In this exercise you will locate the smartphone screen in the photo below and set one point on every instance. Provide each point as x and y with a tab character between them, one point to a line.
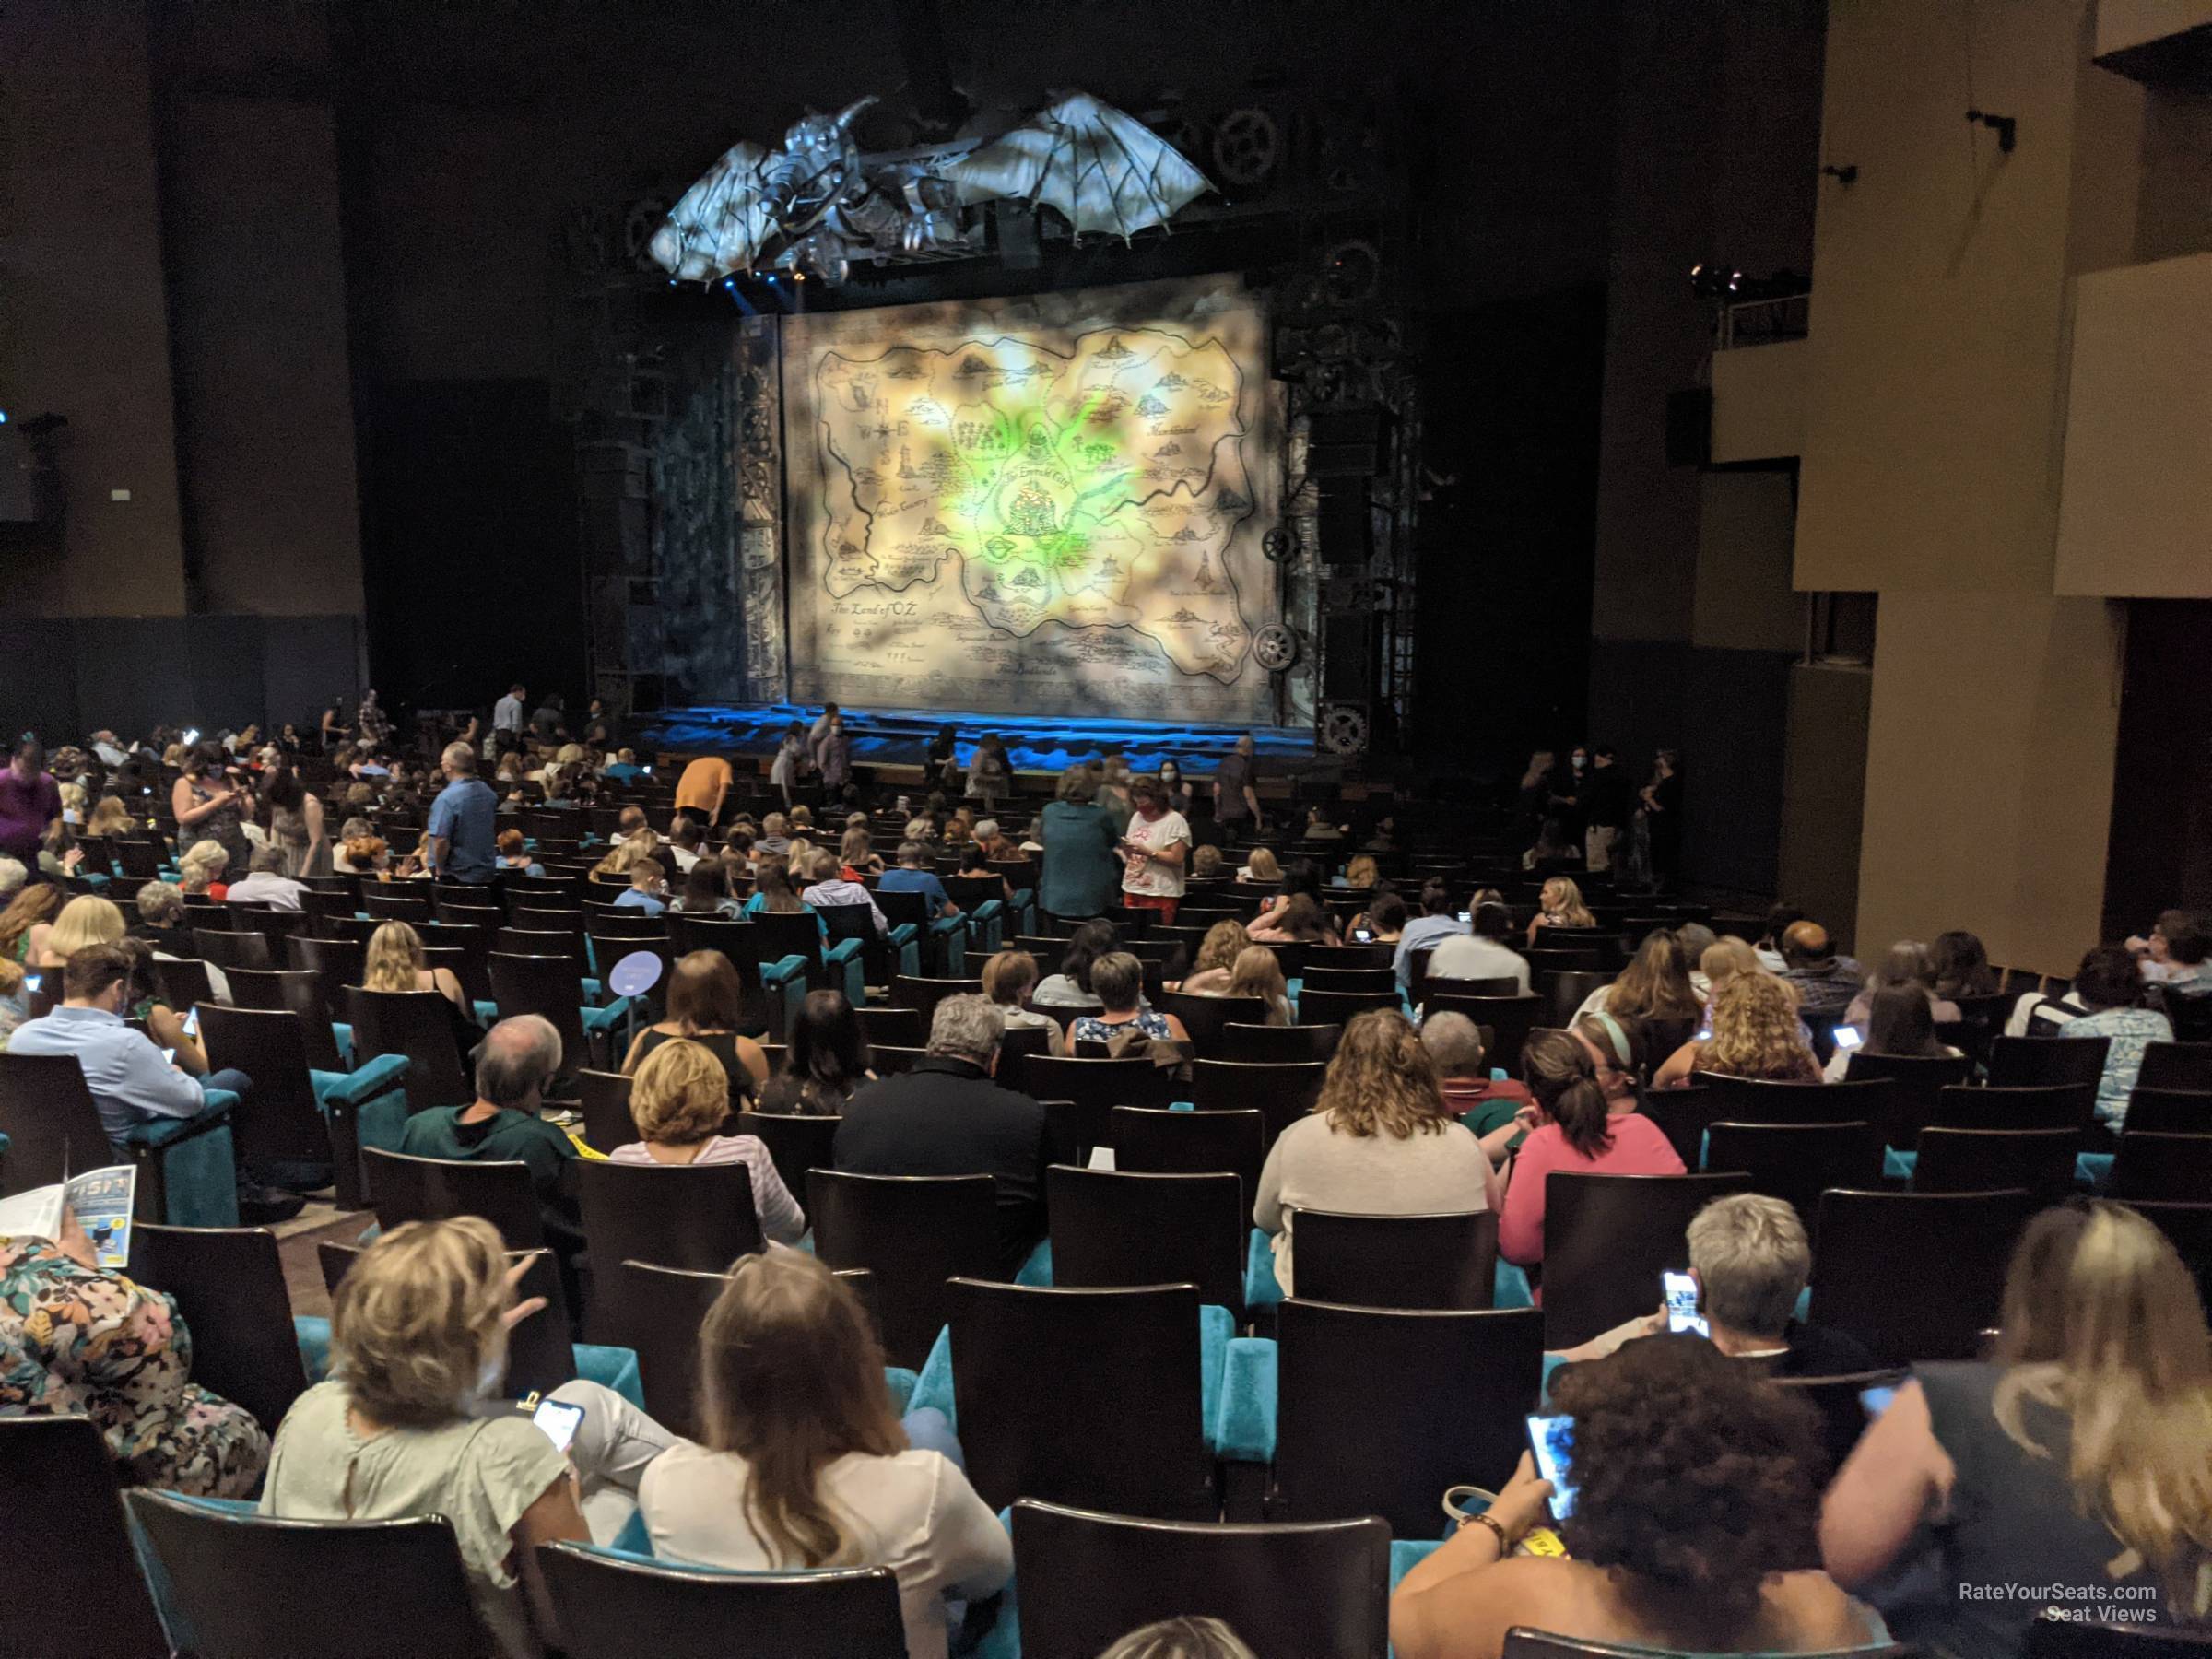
32	982
1704	1036
1363	935
1849	1037
192	1023
170	1055
1876	1401
1682	1304
1552	1439
1466	916
560	1420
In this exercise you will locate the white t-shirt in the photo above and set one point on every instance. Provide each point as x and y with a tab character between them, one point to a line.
912	1513
1141	874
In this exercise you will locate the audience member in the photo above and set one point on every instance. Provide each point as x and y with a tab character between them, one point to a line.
1384	920
704	787
1236	799
1215	964
1602	799
825	1061
914	875
1482	1103
1155	848
2107	986
1260	864
1906	963
1781	918
1186	1638
1380	1140
1900	1021
678	1101
80	1339
1118	981
1071	987
1755	1033
1618	1054
200	867
30	802
1437	923
1653	986
297	824
409	1425
1482	954
1559	904
946	1117
1826	983
1258	973
706	1007
1298	920
706	892
1010	981
1362	874
501	1125
831	887
266	882
2074	1459
803	1462
2174	956
15	999
209	801
1207	863
395	960
1577	1133
1693	1528
991	772
1959	964
86	919
648	889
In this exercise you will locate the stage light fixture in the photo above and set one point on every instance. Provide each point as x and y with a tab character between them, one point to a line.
1711	279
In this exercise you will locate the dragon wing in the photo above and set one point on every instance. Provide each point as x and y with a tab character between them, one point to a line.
1104	171
719	225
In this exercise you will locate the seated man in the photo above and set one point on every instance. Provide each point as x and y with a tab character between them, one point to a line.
1437	923
1826	983
1752	1261
648	889
946	1117
912	874
266	882
685	842
831	887
1454	1044
1482	954
130	1080
625	767
513	1065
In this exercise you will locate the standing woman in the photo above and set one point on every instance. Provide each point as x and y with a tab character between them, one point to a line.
944	760
1171	786
1662	819
991	774
1533	802
296	824
212	807
1081	874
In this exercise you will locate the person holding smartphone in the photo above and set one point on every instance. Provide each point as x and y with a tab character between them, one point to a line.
1693	1539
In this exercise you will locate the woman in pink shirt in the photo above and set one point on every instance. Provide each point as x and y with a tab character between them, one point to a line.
1577	1133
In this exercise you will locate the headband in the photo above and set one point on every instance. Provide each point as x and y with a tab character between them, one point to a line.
1619	1038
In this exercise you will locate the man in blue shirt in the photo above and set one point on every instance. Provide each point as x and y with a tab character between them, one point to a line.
648	889
463	840
1437	920
913	876
625	768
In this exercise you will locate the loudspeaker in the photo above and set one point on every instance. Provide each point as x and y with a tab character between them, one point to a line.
1690	426
1346	668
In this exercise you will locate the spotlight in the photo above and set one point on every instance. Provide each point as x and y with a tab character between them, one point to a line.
1709	280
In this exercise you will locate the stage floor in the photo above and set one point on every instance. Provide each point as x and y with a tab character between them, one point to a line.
902	737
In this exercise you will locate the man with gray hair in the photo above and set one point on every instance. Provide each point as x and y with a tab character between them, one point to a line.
266	882
502	1125
464	837
949	1117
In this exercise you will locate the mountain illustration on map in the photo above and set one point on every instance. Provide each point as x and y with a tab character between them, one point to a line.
1012	480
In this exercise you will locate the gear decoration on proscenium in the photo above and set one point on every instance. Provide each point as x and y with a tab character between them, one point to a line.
1279	544
1344	729
1275	648
1247	145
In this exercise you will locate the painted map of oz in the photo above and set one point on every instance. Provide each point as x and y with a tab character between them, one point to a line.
1001	504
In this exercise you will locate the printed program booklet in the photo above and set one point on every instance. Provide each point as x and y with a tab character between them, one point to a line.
103	1200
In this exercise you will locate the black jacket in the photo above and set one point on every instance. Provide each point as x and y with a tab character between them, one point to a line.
1603	797
945	1117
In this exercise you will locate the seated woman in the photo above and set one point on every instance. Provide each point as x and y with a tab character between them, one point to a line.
706	1006
1009	980
1555	849
773	893
1215	963
86	919
1577	1133
1960	962
1755	1033
1207	863
164	1024
1259	973
706	892
1382	1140
77	1337
1655	986
2074	1458
1692	1529
1907	963
200	869
976	863
1385	919
394	961
27	920
679	1102
1298	920
1071	987
410	1424
514	854
1559	904
361	855
827	1060
1118	979
1260	865
803	1462
1360	875
1898	1024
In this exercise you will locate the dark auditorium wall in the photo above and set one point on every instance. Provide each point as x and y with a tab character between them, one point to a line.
2162	827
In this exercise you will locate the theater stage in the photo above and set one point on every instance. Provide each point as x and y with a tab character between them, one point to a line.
902	737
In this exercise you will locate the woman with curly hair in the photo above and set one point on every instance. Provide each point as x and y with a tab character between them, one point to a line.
1217	960
1756	1033
1692	1527
1380	1141
31	910
1560	904
1577	1133
2077	1457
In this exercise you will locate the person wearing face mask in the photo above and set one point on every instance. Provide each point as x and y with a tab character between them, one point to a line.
1566	789
412	1423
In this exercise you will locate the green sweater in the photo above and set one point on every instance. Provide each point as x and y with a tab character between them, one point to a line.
506	1137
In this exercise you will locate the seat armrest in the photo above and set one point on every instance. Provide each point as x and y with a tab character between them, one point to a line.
374	1078
1243	1430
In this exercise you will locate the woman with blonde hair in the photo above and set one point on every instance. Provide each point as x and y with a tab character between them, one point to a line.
86	919
1215	963
110	818
1261	866
395	961
1755	1033
1560	904
1724	959
412	1423
1362	874
1184	1638
1380	1141
678	1101
199	867
1259	972
2078	1456
1654	986
623	857
803	1462
360	855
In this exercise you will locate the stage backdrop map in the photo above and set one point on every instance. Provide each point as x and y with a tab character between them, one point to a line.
1050	504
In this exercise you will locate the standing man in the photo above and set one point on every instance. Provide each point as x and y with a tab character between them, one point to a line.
1602	800
1154	852
30	801
703	788
1236	803
833	758
507	720
463	840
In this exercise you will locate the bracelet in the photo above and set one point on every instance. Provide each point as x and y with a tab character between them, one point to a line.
1505	1545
